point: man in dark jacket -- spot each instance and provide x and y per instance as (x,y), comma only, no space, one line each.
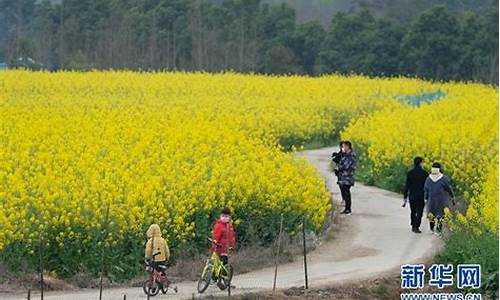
(346,168)
(414,190)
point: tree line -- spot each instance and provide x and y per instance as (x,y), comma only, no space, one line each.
(246,36)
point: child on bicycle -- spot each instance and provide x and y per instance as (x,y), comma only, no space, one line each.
(223,234)
(157,249)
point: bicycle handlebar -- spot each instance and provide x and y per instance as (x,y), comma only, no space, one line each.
(214,242)
(217,243)
(147,260)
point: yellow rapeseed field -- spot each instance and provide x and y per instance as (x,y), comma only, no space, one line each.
(460,131)
(82,154)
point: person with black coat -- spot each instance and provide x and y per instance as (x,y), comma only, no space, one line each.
(346,170)
(414,191)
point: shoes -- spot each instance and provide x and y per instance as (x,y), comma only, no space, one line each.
(415,230)
(346,212)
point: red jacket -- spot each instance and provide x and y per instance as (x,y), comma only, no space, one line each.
(220,234)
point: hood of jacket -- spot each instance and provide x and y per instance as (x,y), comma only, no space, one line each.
(154,231)
(436,177)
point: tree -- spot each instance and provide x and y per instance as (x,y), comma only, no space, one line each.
(276,27)
(306,44)
(17,16)
(44,34)
(431,46)
(255,36)
(384,48)
(361,44)
(279,60)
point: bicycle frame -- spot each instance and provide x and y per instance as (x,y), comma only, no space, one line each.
(215,263)
(155,277)
(215,271)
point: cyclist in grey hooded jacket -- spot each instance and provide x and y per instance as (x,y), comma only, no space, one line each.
(437,192)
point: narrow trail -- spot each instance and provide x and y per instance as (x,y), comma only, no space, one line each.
(375,240)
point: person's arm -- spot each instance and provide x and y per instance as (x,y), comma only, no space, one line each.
(449,189)
(426,189)
(336,157)
(407,186)
(216,234)
(148,250)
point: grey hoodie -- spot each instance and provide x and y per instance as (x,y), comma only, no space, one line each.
(437,191)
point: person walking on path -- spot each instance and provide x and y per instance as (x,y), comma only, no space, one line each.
(346,169)
(414,191)
(437,192)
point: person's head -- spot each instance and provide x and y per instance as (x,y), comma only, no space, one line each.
(436,168)
(225,215)
(153,231)
(417,161)
(346,146)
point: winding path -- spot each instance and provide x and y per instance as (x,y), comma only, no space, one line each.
(373,241)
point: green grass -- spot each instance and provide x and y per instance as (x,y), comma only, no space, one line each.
(465,247)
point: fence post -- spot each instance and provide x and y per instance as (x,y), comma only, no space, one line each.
(29,294)
(228,264)
(124,296)
(100,288)
(40,250)
(305,254)
(103,241)
(277,254)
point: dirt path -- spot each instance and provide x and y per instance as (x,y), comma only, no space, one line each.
(374,240)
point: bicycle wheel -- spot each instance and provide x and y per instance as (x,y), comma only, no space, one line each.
(225,279)
(205,278)
(152,291)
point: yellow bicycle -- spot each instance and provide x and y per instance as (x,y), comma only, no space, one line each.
(215,272)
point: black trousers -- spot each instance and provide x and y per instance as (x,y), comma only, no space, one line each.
(345,191)
(416,212)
